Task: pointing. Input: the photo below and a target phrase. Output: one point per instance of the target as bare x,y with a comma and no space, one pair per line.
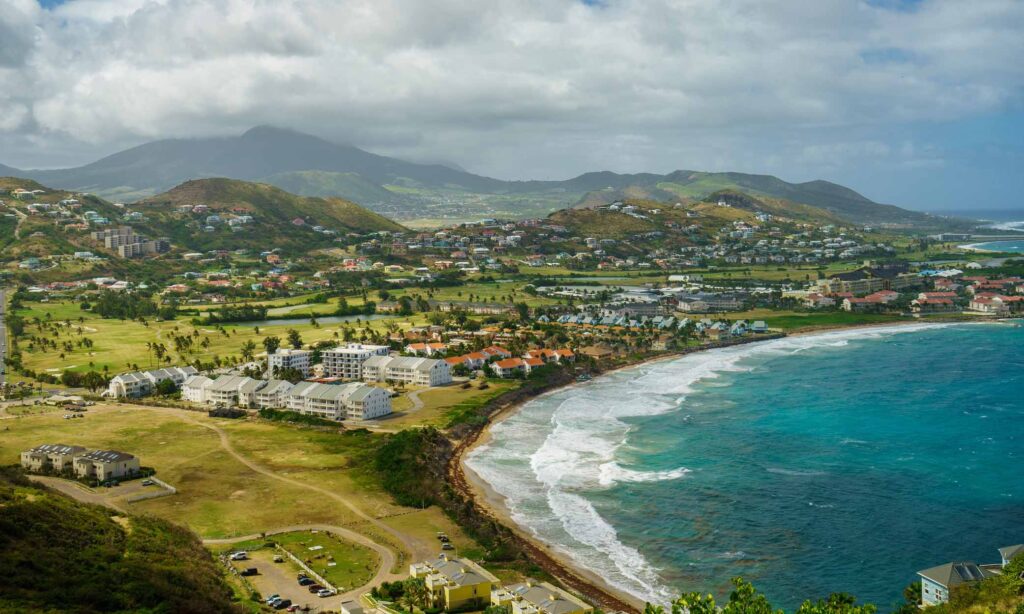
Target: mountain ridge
312,166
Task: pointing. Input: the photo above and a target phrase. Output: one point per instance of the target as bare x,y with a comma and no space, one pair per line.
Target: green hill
275,216
63,556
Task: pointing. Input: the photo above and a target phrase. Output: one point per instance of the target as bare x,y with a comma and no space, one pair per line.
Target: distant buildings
532,597
128,244
352,401
407,370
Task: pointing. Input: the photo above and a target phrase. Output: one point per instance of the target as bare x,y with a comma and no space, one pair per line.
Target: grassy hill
273,211
63,556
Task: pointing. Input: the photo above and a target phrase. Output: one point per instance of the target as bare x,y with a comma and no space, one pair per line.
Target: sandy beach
559,564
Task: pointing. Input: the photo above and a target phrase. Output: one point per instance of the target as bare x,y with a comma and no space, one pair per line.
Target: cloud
513,88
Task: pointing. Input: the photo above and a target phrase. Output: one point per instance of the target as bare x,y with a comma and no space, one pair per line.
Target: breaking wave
561,446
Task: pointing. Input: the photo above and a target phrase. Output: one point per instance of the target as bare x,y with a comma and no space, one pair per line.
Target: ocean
844,461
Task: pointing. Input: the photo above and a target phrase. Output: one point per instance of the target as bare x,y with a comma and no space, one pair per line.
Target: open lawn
342,563
792,320
440,405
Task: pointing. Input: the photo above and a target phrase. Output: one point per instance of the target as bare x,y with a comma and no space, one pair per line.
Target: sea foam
564,444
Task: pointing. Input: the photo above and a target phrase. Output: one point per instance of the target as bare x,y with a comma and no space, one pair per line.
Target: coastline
560,565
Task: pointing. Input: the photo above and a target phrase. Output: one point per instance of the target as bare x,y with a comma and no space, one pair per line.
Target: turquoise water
1002,246
838,462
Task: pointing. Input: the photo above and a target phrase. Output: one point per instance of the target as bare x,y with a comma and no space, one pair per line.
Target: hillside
279,219
311,166
64,556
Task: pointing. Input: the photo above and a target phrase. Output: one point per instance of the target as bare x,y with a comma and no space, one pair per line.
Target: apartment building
532,597
141,383
106,465
354,401
407,370
455,584
347,361
51,457
287,358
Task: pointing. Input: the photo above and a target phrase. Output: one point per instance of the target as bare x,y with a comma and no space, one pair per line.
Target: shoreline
563,567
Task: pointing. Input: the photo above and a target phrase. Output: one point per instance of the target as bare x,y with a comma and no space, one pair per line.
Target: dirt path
418,549
77,491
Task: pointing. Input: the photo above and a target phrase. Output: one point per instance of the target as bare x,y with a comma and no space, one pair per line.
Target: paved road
77,491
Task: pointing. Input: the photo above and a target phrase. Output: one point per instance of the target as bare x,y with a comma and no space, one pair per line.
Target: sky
911,102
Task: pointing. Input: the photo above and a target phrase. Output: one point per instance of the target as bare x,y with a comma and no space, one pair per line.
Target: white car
326,592
239,556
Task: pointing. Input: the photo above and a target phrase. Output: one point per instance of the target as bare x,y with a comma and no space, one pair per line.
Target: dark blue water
841,462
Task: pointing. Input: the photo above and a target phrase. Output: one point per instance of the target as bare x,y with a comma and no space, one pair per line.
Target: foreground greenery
63,556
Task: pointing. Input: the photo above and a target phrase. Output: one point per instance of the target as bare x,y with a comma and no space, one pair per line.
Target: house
988,304
455,584
508,367
932,305
407,370
287,358
141,383
347,361
938,581
193,389
229,390
426,349
1008,553
532,597
106,465
51,457
596,351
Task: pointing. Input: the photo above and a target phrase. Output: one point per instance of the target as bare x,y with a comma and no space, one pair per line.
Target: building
231,390
407,370
51,457
193,389
274,394
287,358
938,581
1008,553
455,584
347,361
533,597
106,465
509,367
141,383
353,401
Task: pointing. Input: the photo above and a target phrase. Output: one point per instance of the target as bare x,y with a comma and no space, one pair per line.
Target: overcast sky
917,103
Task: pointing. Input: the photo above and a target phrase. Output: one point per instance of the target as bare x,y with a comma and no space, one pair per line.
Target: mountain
311,166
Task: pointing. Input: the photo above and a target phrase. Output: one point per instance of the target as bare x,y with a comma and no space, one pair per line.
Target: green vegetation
63,556
280,415
1002,594
342,563
745,599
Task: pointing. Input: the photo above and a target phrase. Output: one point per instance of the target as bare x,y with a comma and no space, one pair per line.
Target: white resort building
407,370
347,361
141,383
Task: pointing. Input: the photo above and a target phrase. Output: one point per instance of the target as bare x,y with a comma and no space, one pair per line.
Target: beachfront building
1007,554
347,361
51,457
106,465
455,584
141,383
353,401
938,581
287,358
532,597
407,370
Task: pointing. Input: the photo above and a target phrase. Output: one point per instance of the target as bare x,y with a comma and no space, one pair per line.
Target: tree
248,350
294,338
271,344
166,387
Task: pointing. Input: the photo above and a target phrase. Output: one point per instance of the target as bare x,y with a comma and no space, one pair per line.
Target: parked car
325,593
315,588
284,603
301,576
273,602
294,608
278,558
250,571
148,482
239,556
447,546
271,598
306,581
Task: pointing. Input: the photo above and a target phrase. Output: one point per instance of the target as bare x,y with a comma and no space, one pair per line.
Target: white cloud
515,88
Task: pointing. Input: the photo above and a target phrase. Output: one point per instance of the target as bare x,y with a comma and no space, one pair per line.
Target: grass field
440,405
342,563
792,320
120,343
